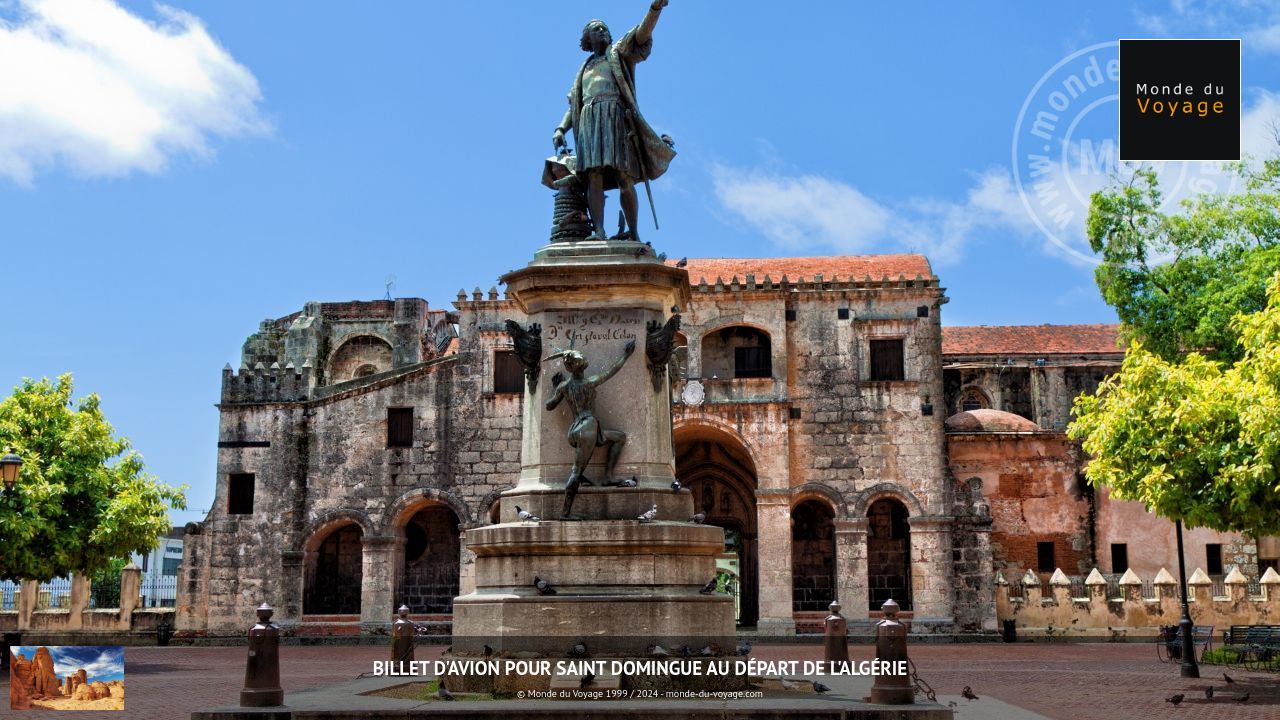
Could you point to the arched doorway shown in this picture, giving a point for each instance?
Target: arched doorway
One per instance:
(813, 556)
(334, 570)
(429, 560)
(719, 472)
(888, 554)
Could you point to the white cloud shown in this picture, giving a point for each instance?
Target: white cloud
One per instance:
(800, 212)
(86, 84)
(104, 665)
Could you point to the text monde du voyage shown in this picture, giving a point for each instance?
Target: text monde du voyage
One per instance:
(1179, 99)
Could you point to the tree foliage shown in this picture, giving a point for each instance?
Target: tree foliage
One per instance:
(1195, 439)
(1177, 279)
(83, 498)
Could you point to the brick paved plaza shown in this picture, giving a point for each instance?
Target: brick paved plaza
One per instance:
(1079, 682)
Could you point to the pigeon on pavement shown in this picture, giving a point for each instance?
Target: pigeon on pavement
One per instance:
(443, 693)
(526, 515)
(544, 587)
(709, 588)
(967, 693)
(1176, 699)
(820, 688)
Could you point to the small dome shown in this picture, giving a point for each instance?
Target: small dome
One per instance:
(974, 421)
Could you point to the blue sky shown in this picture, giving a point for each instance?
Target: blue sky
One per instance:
(101, 663)
(172, 175)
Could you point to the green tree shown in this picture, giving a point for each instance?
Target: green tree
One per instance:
(1177, 279)
(83, 498)
(1195, 439)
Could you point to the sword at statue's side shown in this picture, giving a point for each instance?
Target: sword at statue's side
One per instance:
(644, 171)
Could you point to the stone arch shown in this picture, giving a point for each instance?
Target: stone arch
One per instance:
(719, 468)
(973, 397)
(489, 507)
(863, 499)
(333, 561)
(888, 552)
(737, 350)
(357, 354)
(824, 493)
(813, 554)
(427, 523)
(408, 503)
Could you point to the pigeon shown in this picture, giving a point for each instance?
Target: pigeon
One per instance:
(640, 251)
(675, 309)
(587, 680)
(666, 140)
(578, 650)
(686, 652)
(682, 262)
(488, 651)
(544, 587)
(787, 684)
(1208, 692)
(967, 694)
(675, 485)
(629, 482)
(820, 688)
(658, 651)
(699, 518)
(951, 703)
(744, 648)
(1228, 679)
(1176, 699)
(706, 651)
(443, 693)
(526, 515)
(1241, 698)
(709, 588)
(648, 516)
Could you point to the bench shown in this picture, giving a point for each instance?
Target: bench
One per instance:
(1255, 646)
(1169, 642)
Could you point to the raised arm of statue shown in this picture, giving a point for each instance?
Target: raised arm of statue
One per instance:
(556, 397)
(645, 31)
(616, 366)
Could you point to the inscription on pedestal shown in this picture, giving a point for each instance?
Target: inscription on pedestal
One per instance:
(586, 327)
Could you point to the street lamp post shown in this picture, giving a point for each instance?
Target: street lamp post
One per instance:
(1189, 667)
(10, 464)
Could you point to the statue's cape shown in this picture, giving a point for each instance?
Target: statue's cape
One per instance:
(622, 57)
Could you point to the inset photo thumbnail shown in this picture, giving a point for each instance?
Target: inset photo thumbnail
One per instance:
(65, 677)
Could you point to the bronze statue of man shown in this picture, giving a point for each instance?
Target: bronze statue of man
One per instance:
(586, 433)
(616, 147)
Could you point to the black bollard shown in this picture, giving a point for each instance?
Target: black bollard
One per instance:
(835, 638)
(262, 669)
(163, 632)
(402, 633)
(891, 646)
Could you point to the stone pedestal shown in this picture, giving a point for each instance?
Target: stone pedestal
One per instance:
(620, 585)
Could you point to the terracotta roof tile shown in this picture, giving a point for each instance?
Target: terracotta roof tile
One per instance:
(1031, 340)
(795, 268)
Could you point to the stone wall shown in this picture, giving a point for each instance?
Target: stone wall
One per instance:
(1128, 613)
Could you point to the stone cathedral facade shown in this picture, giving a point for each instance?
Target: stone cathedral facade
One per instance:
(850, 447)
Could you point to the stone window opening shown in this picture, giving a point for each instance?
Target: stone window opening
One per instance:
(1119, 557)
(240, 494)
(399, 427)
(887, 361)
(365, 371)
(1045, 560)
(508, 376)
(1213, 558)
(354, 358)
(974, 399)
(737, 352)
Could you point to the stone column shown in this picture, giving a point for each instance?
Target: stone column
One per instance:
(466, 566)
(377, 585)
(773, 527)
(851, 567)
(79, 601)
(932, 594)
(986, 572)
(28, 596)
(291, 588)
(130, 586)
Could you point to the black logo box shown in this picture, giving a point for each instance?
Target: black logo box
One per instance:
(1186, 68)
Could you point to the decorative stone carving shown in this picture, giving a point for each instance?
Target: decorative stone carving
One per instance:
(528, 347)
(659, 342)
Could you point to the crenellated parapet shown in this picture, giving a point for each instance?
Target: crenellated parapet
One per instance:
(1131, 608)
(261, 384)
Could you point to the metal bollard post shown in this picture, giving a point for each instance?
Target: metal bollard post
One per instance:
(891, 646)
(402, 634)
(835, 639)
(163, 633)
(262, 669)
